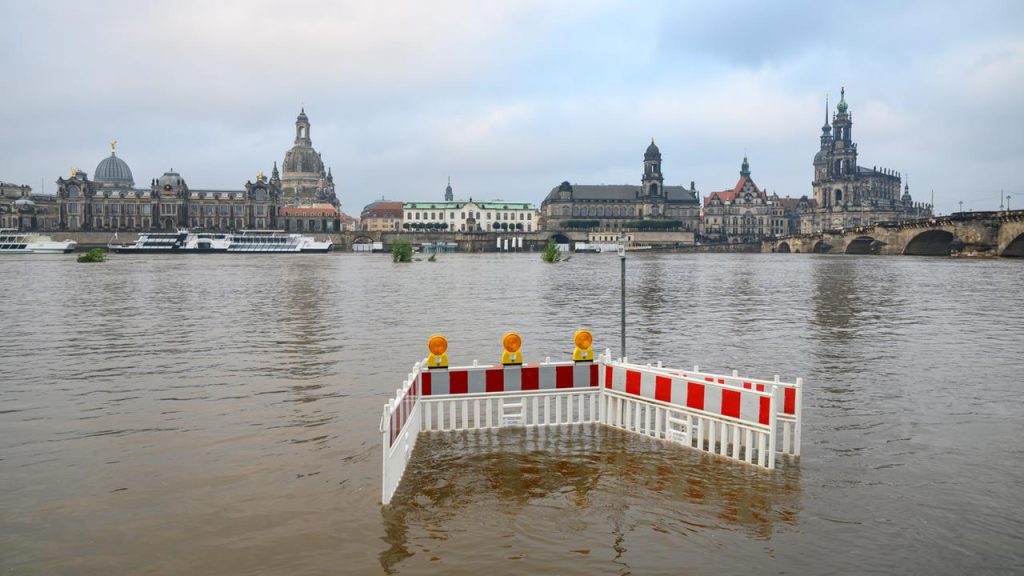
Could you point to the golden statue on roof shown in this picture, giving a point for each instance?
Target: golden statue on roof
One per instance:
(113, 146)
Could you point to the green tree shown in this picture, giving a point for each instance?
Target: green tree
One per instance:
(551, 253)
(401, 251)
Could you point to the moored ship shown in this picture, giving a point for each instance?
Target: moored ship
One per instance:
(13, 241)
(246, 241)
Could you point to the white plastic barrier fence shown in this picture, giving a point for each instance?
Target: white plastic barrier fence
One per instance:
(789, 398)
(738, 423)
(400, 427)
(729, 416)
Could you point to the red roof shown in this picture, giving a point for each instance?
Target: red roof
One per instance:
(383, 209)
(730, 195)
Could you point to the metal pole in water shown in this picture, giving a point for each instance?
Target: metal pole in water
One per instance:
(622, 258)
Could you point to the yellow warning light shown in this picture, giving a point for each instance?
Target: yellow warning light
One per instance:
(583, 351)
(438, 346)
(511, 342)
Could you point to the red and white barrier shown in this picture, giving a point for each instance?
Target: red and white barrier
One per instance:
(725, 415)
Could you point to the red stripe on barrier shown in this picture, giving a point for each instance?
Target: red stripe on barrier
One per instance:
(747, 385)
(531, 379)
(563, 376)
(608, 377)
(593, 375)
(425, 376)
(695, 395)
(632, 382)
(760, 387)
(721, 380)
(709, 379)
(789, 403)
(495, 380)
(663, 388)
(458, 382)
(731, 403)
(764, 413)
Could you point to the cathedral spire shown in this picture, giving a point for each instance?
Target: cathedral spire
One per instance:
(745, 167)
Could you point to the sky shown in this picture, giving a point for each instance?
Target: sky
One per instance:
(509, 99)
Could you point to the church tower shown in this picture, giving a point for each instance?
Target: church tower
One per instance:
(844, 151)
(448, 196)
(653, 181)
(302, 137)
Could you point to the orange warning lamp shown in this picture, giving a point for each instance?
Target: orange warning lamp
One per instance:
(584, 341)
(438, 346)
(511, 342)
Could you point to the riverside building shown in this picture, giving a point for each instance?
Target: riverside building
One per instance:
(469, 215)
(110, 202)
(848, 195)
(743, 213)
(651, 204)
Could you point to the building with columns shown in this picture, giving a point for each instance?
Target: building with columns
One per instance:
(651, 204)
(110, 202)
(848, 195)
(469, 215)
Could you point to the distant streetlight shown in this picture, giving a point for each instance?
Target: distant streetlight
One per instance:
(961, 205)
(622, 257)
(1008, 202)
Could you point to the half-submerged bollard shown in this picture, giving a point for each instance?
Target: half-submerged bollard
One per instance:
(731, 416)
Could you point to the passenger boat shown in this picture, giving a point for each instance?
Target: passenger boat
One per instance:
(13, 241)
(246, 241)
(275, 241)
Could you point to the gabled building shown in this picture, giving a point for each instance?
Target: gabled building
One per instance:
(743, 213)
(469, 215)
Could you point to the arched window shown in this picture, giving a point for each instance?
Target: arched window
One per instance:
(654, 189)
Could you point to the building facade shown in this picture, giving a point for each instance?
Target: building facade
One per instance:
(849, 195)
(469, 215)
(319, 217)
(650, 204)
(743, 213)
(303, 180)
(382, 216)
(111, 202)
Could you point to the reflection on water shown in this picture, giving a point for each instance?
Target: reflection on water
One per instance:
(579, 482)
(219, 416)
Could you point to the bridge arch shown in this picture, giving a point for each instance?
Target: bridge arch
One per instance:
(560, 238)
(863, 245)
(362, 240)
(783, 248)
(1015, 249)
(929, 243)
(821, 247)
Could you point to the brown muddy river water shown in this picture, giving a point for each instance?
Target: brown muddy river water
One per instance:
(218, 415)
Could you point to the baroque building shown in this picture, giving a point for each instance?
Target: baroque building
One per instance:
(383, 216)
(304, 180)
(743, 213)
(848, 195)
(469, 215)
(616, 207)
(111, 202)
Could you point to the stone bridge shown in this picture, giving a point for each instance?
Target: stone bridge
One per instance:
(963, 233)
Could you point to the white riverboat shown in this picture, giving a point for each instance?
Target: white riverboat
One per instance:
(275, 241)
(246, 241)
(13, 241)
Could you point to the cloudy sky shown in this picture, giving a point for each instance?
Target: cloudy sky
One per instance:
(511, 98)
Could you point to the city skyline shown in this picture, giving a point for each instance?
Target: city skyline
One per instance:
(512, 99)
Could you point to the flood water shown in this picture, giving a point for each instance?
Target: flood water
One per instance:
(219, 415)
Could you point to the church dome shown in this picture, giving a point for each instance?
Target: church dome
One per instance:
(113, 170)
(652, 152)
(304, 160)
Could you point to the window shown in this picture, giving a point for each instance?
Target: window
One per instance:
(452, 217)
(463, 217)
